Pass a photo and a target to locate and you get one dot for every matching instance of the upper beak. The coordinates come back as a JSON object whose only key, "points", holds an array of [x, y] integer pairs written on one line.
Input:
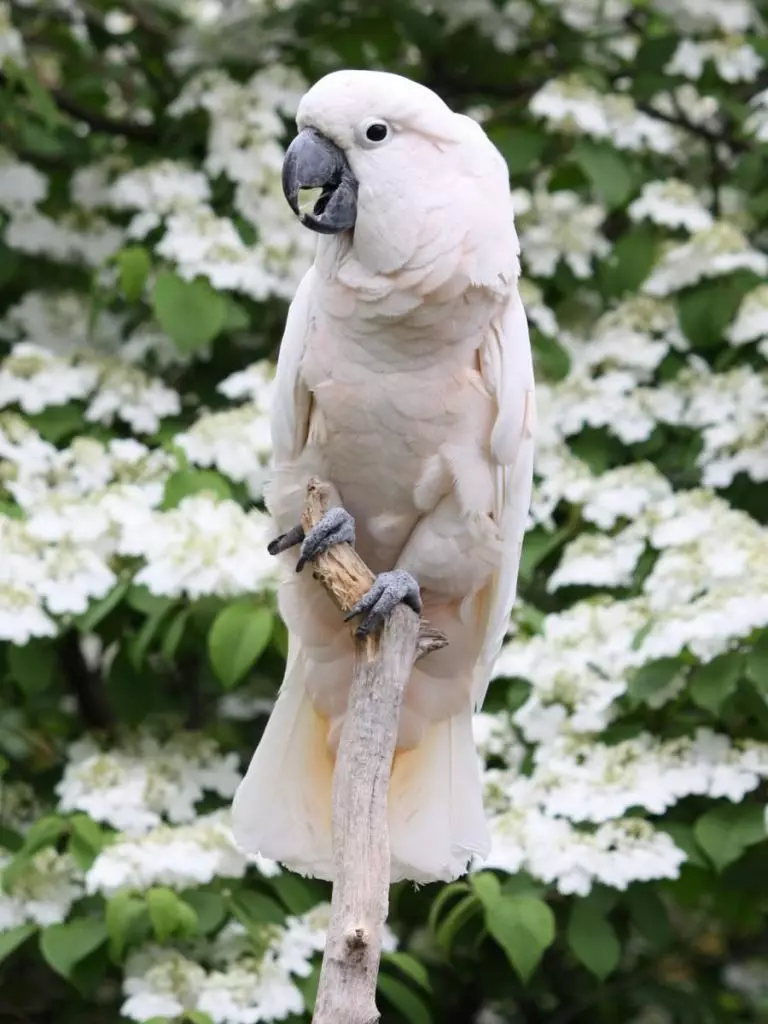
{"points": [[312, 161]]}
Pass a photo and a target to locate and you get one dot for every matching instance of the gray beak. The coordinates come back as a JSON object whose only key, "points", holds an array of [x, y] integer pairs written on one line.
{"points": [[314, 162]]}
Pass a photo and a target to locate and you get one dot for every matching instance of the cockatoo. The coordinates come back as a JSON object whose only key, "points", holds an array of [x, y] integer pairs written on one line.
{"points": [[405, 379]]}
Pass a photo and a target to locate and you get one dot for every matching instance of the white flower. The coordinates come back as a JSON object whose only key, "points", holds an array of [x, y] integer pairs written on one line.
{"points": [[156, 190], [203, 547], [127, 393], [59, 321], [735, 60], [34, 379], [671, 203], [538, 314], [22, 615], [178, 856], [575, 107], [22, 186], [713, 252], [751, 323], [707, 15], [596, 560], [43, 892], [237, 442], [67, 240], [250, 991], [757, 123], [558, 226], [11, 41], [133, 787], [160, 983]]}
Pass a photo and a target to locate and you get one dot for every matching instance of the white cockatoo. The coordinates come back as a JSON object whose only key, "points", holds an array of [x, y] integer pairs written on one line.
{"points": [[405, 379]]}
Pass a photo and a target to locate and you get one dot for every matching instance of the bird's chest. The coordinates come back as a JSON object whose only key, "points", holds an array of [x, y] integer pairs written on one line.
{"points": [[380, 414]]}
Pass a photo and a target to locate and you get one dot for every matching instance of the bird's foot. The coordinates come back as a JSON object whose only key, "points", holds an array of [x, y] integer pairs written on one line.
{"points": [[389, 589], [336, 527]]}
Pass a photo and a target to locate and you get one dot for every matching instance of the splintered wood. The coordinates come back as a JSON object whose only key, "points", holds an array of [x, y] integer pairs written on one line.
{"points": [[347, 989]]}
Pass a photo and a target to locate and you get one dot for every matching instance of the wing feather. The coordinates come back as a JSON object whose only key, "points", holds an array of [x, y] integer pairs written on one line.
{"points": [[292, 401], [506, 366]]}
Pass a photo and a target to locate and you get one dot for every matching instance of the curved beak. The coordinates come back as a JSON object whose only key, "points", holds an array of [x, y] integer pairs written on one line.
{"points": [[319, 184]]}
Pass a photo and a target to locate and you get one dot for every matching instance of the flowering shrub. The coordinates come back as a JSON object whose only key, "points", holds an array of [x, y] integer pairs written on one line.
{"points": [[146, 256]]}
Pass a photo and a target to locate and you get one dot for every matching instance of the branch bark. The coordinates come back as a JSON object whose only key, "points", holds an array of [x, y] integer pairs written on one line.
{"points": [[347, 989]]}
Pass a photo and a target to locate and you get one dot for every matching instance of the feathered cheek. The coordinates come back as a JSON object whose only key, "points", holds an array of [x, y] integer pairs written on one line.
{"points": [[388, 227]]}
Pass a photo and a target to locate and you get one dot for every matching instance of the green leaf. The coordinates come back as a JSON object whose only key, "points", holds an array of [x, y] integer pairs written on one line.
{"points": [[169, 914], [255, 909], [524, 927], [456, 918], [86, 841], [209, 907], [33, 665], [726, 831], [184, 482], [409, 966], [706, 311], [142, 600], [237, 318], [652, 678], [298, 894], [757, 664], [237, 638], [711, 684], [133, 265], [141, 642], [592, 939], [124, 913], [100, 609], [64, 945], [551, 359], [407, 1002], [58, 422], [174, 634], [190, 312], [11, 940], [197, 1017], [629, 262], [682, 835], [650, 916], [520, 146], [608, 172], [487, 887]]}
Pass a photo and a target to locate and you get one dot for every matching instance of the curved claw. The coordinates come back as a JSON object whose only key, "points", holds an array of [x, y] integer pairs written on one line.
{"points": [[336, 527], [388, 590], [286, 540]]}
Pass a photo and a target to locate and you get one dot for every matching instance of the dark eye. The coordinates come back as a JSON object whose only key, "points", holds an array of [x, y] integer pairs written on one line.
{"points": [[376, 132]]}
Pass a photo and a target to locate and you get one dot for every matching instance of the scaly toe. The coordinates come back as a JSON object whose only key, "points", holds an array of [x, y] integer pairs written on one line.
{"points": [[336, 527], [388, 590]]}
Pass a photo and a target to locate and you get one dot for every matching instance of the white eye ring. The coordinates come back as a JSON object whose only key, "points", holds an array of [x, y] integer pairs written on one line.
{"points": [[372, 132]]}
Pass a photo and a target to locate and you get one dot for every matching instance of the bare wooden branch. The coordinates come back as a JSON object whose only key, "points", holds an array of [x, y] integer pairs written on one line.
{"points": [[345, 575], [361, 854]]}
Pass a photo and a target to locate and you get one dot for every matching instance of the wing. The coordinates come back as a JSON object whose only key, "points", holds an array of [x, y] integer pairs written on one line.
{"points": [[292, 402], [506, 366]]}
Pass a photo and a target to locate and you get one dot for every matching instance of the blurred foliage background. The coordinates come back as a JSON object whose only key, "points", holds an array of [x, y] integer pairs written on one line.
{"points": [[146, 259]]}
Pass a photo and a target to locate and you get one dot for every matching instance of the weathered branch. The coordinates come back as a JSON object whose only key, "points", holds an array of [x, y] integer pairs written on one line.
{"points": [[345, 575], [361, 855]]}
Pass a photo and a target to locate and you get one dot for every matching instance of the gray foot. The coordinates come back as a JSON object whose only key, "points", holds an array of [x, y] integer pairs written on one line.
{"points": [[389, 590], [336, 527]]}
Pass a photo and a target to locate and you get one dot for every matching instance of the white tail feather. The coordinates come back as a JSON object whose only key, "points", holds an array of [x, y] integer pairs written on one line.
{"points": [[282, 808]]}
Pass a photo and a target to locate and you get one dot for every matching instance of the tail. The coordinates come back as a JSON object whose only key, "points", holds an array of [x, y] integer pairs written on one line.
{"points": [[436, 819], [282, 808]]}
